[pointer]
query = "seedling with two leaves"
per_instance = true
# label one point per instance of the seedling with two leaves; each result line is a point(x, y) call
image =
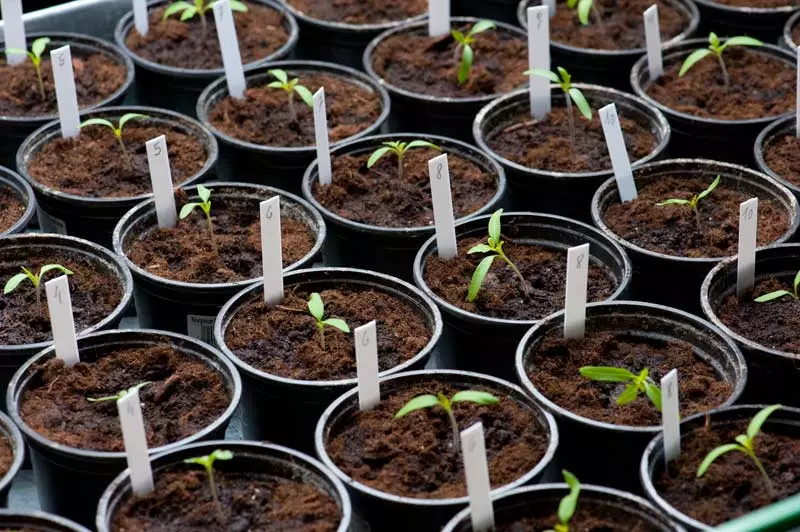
point(693, 203)
point(782, 293)
point(636, 384)
point(204, 204)
point(398, 149)
point(571, 94)
point(317, 309)
point(124, 119)
point(208, 464)
point(35, 55)
point(35, 279)
point(120, 395)
point(583, 9)
point(716, 48)
point(198, 7)
point(567, 506)
point(494, 246)
point(290, 87)
point(464, 47)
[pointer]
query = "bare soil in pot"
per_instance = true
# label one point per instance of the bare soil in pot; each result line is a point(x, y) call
point(359, 12)
point(13, 208)
point(590, 516)
point(782, 156)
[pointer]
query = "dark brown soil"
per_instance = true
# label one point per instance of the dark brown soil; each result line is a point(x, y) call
point(590, 516)
point(94, 289)
point(264, 116)
point(171, 42)
point(413, 456)
point(6, 456)
point(360, 11)
point(427, 65)
point(673, 229)
point(501, 295)
point(182, 502)
point(186, 253)
point(782, 156)
point(546, 144)
point(732, 486)
point(553, 369)
point(97, 76)
point(186, 395)
point(284, 340)
point(796, 33)
point(757, 3)
point(94, 165)
point(379, 196)
point(761, 86)
point(11, 208)
point(623, 25)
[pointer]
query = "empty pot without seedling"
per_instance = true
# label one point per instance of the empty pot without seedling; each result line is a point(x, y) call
point(20, 207)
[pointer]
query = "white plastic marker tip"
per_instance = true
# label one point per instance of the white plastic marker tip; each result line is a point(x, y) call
point(369, 392)
point(161, 181)
point(229, 45)
point(140, 17)
point(539, 58)
point(59, 304)
point(476, 469)
point(61, 61)
point(575, 297)
point(135, 439)
point(671, 415)
point(748, 236)
point(321, 137)
point(551, 6)
point(14, 31)
point(652, 34)
point(443, 218)
point(271, 250)
point(619, 155)
point(438, 18)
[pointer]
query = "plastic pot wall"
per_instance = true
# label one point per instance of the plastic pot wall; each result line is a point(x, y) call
point(784, 126)
point(13, 436)
point(763, 23)
point(787, 40)
point(38, 521)
point(23, 191)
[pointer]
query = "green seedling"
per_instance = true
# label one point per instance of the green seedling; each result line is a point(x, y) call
point(494, 246)
point(317, 309)
point(116, 129)
point(441, 400)
point(399, 149)
point(464, 47)
point(120, 395)
point(715, 47)
point(693, 203)
point(566, 508)
point(781, 293)
point(290, 87)
point(583, 8)
point(205, 206)
point(35, 279)
point(208, 463)
point(199, 7)
point(636, 384)
point(571, 94)
point(35, 55)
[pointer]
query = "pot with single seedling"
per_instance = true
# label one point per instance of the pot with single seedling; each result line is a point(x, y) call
point(301, 353)
point(379, 198)
point(185, 274)
point(180, 53)
point(398, 484)
point(70, 420)
point(774, 152)
point(268, 137)
point(84, 185)
point(504, 280)
point(791, 32)
point(725, 453)
point(38, 521)
point(685, 220)
point(18, 201)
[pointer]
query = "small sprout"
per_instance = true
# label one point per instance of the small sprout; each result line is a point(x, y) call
point(208, 463)
point(566, 508)
point(571, 94)
point(120, 395)
point(399, 149)
point(584, 6)
point(494, 246)
point(464, 47)
point(430, 401)
point(781, 293)
point(716, 48)
point(199, 7)
point(116, 129)
point(317, 309)
point(205, 206)
point(636, 383)
point(35, 55)
point(36, 280)
point(692, 203)
point(290, 87)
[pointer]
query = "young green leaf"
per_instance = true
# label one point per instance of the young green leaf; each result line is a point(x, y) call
point(464, 47)
point(207, 462)
point(716, 49)
point(399, 149)
point(713, 455)
point(495, 246)
point(315, 306)
point(481, 26)
point(628, 395)
point(317, 309)
point(478, 276)
point(637, 384)
point(606, 374)
point(337, 324)
point(290, 87)
point(754, 428)
point(204, 193)
point(782, 293)
point(475, 396)
point(567, 506)
point(35, 279)
point(580, 102)
point(571, 94)
point(467, 58)
point(693, 59)
point(38, 46)
point(673, 201)
point(418, 403)
point(14, 282)
point(494, 227)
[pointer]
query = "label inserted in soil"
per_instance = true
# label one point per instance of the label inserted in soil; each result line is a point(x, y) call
point(59, 305)
point(140, 16)
point(539, 58)
point(66, 95)
point(438, 17)
point(576, 292)
point(133, 434)
point(652, 32)
point(14, 31)
point(443, 217)
point(271, 250)
point(51, 224)
point(321, 137)
point(476, 469)
point(200, 327)
point(369, 391)
point(161, 181)
point(617, 152)
point(671, 415)
point(229, 45)
point(748, 233)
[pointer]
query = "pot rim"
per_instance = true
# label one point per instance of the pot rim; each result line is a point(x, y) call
point(12, 180)
point(41, 518)
point(17, 445)
point(778, 127)
point(787, 30)
point(346, 27)
point(747, 10)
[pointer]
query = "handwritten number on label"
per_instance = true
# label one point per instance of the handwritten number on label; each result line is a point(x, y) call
point(269, 213)
point(539, 19)
point(580, 261)
point(365, 339)
point(750, 213)
point(439, 172)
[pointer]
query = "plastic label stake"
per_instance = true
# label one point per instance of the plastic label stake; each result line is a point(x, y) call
point(671, 415)
point(551, 6)
point(59, 304)
point(14, 30)
point(438, 18)
point(229, 45)
point(619, 155)
point(575, 298)
point(61, 61)
point(652, 34)
point(443, 218)
point(748, 233)
point(271, 250)
point(369, 392)
point(140, 17)
point(321, 137)
point(476, 469)
point(161, 181)
point(133, 435)
point(539, 57)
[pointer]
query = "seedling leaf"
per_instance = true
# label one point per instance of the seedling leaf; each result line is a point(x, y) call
point(773, 295)
point(305, 95)
point(467, 58)
point(417, 403)
point(580, 101)
point(337, 324)
point(654, 393)
point(13, 283)
point(129, 116)
point(97, 122)
point(741, 41)
point(478, 277)
point(376, 155)
point(584, 6)
point(693, 59)
point(796, 281)
point(187, 209)
point(606, 374)
point(38, 46)
point(628, 394)
point(315, 306)
point(422, 144)
point(674, 201)
point(758, 420)
point(480, 248)
point(475, 396)
point(175, 8)
point(203, 192)
point(713, 455)
point(566, 508)
point(494, 227)
point(709, 190)
point(481, 26)
point(279, 74)
point(542, 73)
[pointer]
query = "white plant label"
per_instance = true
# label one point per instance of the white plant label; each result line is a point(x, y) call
point(135, 439)
point(476, 469)
point(671, 415)
point(59, 304)
point(539, 57)
point(271, 250)
point(575, 297)
point(443, 218)
point(161, 181)
point(652, 34)
point(797, 98)
point(551, 6)
point(321, 137)
point(61, 60)
point(438, 18)
point(619, 155)
point(748, 233)
point(369, 392)
point(140, 17)
point(229, 45)
point(14, 30)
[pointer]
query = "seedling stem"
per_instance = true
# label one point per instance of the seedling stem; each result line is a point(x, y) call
point(399, 149)
point(694, 202)
point(317, 309)
point(290, 87)
point(35, 55)
point(208, 463)
point(35, 279)
point(116, 129)
point(716, 48)
point(494, 245)
point(571, 94)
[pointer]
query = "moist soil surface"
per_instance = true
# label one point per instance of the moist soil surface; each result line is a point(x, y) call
point(94, 289)
point(184, 396)
point(796, 33)
point(546, 144)
point(501, 295)
point(413, 456)
point(427, 65)
point(732, 486)
point(12, 208)
point(284, 340)
point(94, 165)
point(265, 117)
point(590, 516)
point(379, 196)
point(673, 229)
point(171, 42)
point(186, 253)
point(782, 156)
point(97, 76)
point(360, 11)
point(553, 368)
point(760, 86)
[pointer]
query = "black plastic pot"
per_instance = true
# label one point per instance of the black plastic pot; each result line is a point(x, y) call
point(650, 268)
point(11, 433)
point(534, 189)
point(765, 23)
point(191, 308)
point(638, 322)
point(94, 218)
point(502, 10)
point(14, 129)
point(386, 511)
point(652, 462)
point(610, 68)
point(784, 126)
point(711, 138)
point(178, 88)
point(14, 356)
point(487, 345)
point(24, 192)
point(304, 401)
point(398, 246)
point(69, 481)
point(39, 521)
point(786, 39)
point(439, 115)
